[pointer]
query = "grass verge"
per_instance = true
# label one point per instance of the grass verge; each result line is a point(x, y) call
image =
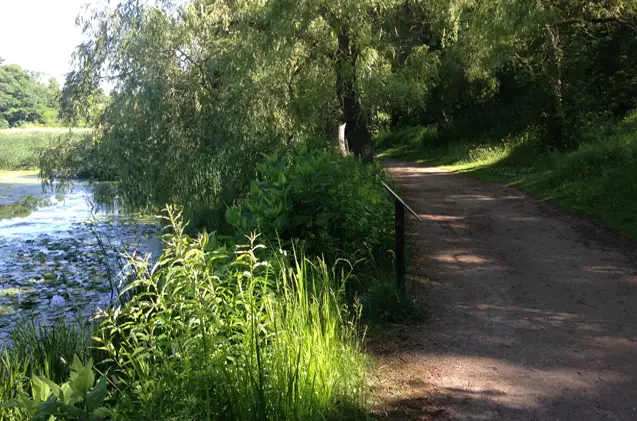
point(596, 179)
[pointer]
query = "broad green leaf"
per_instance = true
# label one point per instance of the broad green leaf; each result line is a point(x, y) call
point(95, 398)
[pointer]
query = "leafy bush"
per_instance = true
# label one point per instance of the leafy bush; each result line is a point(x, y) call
point(79, 399)
point(49, 117)
point(330, 205)
point(406, 136)
point(385, 302)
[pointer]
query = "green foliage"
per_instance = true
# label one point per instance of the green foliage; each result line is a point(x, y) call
point(594, 179)
point(236, 332)
point(233, 335)
point(14, 372)
point(407, 137)
point(85, 112)
point(218, 84)
point(74, 157)
point(39, 351)
point(189, 117)
point(45, 348)
point(79, 399)
point(21, 147)
point(23, 99)
point(329, 205)
point(202, 89)
point(383, 302)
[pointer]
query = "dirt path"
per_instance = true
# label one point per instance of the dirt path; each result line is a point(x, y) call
point(533, 311)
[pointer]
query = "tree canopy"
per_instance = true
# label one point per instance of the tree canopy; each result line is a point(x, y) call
point(206, 86)
point(24, 99)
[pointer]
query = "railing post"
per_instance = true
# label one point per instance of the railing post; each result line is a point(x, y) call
point(400, 244)
point(400, 235)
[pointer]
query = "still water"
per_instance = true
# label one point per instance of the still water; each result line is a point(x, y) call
point(64, 258)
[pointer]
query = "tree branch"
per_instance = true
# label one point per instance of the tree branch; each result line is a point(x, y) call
point(581, 20)
point(202, 71)
point(306, 37)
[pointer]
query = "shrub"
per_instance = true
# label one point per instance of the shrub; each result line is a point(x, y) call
point(424, 135)
point(79, 399)
point(49, 117)
point(384, 302)
point(330, 205)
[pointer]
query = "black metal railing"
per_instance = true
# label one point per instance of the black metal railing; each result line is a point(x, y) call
point(400, 234)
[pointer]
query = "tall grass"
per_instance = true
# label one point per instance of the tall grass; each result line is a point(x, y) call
point(48, 348)
point(39, 350)
point(216, 333)
point(13, 375)
point(20, 146)
point(216, 330)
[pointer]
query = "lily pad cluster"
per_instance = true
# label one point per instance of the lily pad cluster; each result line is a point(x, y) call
point(69, 272)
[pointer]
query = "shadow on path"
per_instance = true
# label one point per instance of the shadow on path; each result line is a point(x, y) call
point(533, 310)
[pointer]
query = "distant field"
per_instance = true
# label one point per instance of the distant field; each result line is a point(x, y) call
point(19, 147)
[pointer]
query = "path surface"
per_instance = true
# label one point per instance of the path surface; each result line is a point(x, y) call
point(533, 311)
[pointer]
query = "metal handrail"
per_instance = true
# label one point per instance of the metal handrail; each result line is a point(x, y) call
point(400, 206)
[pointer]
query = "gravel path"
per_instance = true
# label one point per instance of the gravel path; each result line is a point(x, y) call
point(533, 311)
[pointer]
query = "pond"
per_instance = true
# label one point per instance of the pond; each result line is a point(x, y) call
point(61, 255)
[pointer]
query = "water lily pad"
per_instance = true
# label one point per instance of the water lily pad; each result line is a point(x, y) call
point(6, 310)
point(64, 272)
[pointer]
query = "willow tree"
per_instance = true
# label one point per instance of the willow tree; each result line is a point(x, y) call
point(340, 37)
point(194, 102)
point(550, 40)
point(202, 88)
point(548, 43)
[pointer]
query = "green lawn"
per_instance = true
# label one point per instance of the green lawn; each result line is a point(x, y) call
point(19, 147)
point(596, 179)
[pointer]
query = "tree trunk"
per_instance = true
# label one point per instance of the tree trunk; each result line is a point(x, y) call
point(443, 122)
point(556, 126)
point(342, 142)
point(358, 134)
point(443, 125)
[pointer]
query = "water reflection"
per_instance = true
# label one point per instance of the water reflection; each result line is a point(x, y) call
point(62, 258)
